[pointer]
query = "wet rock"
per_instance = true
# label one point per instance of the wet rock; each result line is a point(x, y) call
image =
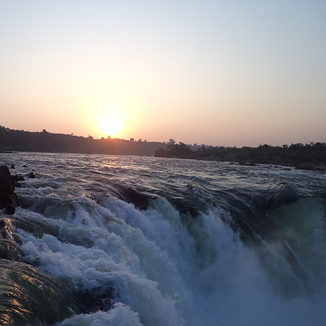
point(17, 177)
point(10, 250)
point(9, 241)
point(30, 297)
point(9, 209)
point(31, 175)
point(27, 295)
point(7, 193)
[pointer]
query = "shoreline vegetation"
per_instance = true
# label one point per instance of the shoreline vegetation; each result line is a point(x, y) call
point(301, 156)
point(308, 157)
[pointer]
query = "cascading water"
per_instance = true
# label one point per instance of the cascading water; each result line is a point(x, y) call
point(164, 242)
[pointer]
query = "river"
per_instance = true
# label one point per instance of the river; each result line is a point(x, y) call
point(130, 240)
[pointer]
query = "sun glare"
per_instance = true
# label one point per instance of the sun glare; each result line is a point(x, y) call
point(110, 125)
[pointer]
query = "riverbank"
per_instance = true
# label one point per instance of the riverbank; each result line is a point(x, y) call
point(306, 157)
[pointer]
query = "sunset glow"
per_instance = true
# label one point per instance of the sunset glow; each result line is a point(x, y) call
point(237, 73)
point(110, 125)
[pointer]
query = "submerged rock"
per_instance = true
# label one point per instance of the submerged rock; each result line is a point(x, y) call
point(17, 178)
point(31, 175)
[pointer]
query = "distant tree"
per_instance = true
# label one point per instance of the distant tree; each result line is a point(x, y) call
point(171, 142)
point(131, 140)
point(194, 146)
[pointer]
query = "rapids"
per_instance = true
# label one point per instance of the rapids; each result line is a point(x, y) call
point(128, 240)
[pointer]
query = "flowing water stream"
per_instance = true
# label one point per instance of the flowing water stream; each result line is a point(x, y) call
point(128, 240)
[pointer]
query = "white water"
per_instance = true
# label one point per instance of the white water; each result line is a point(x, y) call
point(168, 269)
point(165, 272)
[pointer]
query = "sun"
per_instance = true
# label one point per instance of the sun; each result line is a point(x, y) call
point(110, 124)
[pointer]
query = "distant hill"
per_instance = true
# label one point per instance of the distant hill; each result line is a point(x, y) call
point(19, 140)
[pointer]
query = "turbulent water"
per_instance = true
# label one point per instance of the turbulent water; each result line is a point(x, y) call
point(127, 240)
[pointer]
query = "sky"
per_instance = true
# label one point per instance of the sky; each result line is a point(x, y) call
point(222, 73)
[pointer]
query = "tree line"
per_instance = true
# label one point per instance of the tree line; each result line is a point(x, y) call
point(309, 156)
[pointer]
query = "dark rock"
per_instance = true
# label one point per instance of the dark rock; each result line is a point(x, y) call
point(19, 177)
point(15, 179)
point(10, 250)
point(7, 194)
point(9, 209)
point(31, 175)
point(12, 166)
point(9, 241)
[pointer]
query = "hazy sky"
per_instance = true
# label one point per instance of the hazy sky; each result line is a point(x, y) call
point(232, 73)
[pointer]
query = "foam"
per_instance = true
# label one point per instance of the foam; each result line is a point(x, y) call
point(120, 315)
point(166, 270)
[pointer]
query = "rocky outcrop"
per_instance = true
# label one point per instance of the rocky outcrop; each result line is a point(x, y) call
point(9, 241)
point(8, 197)
point(30, 297)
